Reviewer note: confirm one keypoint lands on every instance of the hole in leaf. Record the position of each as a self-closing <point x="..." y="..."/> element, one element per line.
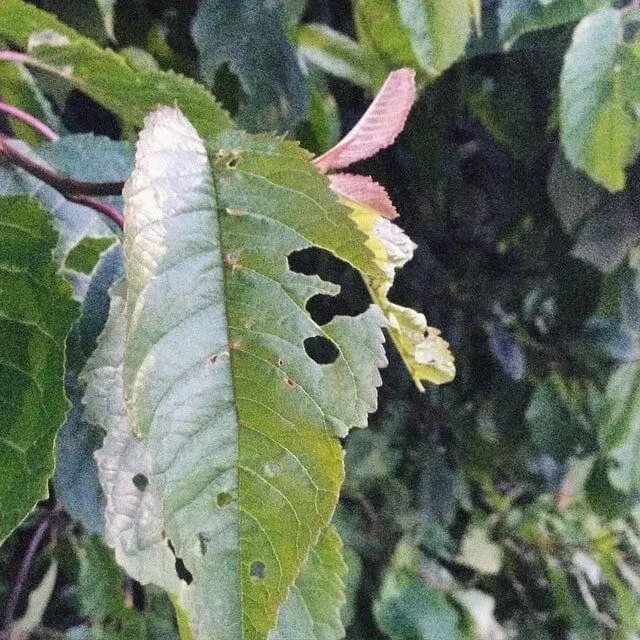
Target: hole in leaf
<point x="181" y="569"/>
<point x="321" y="350"/>
<point x="353" y="298"/>
<point x="257" y="571"/>
<point x="224" y="499"/>
<point x="140" y="481"/>
<point x="271" y="468"/>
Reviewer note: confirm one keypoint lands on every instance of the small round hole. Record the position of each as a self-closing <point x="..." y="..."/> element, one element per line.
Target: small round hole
<point x="224" y="499"/>
<point x="140" y="481"/>
<point x="257" y="571"/>
<point x="321" y="350"/>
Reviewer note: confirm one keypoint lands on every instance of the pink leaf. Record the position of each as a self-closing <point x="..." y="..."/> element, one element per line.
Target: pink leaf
<point x="378" y="127"/>
<point x="364" y="191"/>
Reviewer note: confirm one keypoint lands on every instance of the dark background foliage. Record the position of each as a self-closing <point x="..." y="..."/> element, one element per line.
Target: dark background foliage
<point x="503" y="504"/>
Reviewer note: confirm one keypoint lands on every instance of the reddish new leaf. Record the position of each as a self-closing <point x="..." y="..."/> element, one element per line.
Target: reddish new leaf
<point x="364" y="191"/>
<point x="378" y="127"/>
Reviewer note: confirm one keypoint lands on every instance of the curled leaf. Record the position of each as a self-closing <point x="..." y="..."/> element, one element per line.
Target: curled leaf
<point x="379" y="126"/>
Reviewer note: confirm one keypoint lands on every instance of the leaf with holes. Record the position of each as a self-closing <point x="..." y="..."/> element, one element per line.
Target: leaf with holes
<point x="425" y="353"/>
<point x="36" y="314"/>
<point x="216" y="416"/>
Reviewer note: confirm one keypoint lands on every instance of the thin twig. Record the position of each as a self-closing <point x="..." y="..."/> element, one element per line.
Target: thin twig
<point x="63" y="184"/>
<point x="52" y="136"/>
<point x="22" y="58"/>
<point x="29" y="120"/>
<point x="101" y="207"/>
<point x="27" y="565"/>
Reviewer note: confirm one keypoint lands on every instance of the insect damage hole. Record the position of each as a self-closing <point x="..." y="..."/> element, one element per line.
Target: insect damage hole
<point x="140" y="481"/>
<point x="224" y="499"/>
<point x="257" y="571"/>
<point x="181" y="569"/>
<point x="321" y="350"/>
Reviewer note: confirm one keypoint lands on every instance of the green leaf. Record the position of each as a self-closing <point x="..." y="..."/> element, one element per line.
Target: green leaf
<point x="518" y="17"/>
<point x="478" y="552"/>
<point x="249" y="37"/>
<point x="85" y="157"/>
<point x="425" y="353"/>
<point x="18" y="88"/>
<point x="101" y="591"/>
<point x="407" y="609"/>
<point x="76" y="478"/>
<point x="339" y="55"/>
<point x="605" y="226"/>
<point x="107" y="9"/>
<point x="312" y="609"/>
<point x="619" y="427"/>
<point x="380" y="29"/>
<point x="556" y="423"/>
<point x="37" y="604"/>
<point x="439" y="30"/>
<point x="86" y="254"/>
<point x="260" y="434"/>
<point x="599" y="133"/>
<point x="36" y="312"/>
<point x="106" y="76"/>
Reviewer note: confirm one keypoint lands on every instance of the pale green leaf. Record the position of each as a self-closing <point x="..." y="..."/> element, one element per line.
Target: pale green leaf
<point x="478" y="552"/>
<point x="380" y="29"/>
<point x="339" y="55"/>
<point x="18" y="88"/>
<point x="36" y="314"/>
<point x="599" y="133"/>
<point x="248" y="36"/>
<point x="619" y="427"/>
<point x="107" y="9"/>
<point x="440" y="30"/>
<point x="207" y="438"/>
<point x="518" y="17"/>
<point x="36" y="605"/>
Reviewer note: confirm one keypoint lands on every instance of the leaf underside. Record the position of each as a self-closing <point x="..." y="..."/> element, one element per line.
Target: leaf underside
<point x="216" y="417"/>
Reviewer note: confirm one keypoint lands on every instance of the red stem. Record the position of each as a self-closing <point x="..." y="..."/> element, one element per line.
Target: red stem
<point x="28" y="119"/>
<point x="101" y="207"/>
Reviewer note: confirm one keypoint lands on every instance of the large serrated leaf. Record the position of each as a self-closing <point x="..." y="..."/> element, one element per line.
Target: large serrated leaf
<point x="216" y="417"/>
<point x="36" y="314"/>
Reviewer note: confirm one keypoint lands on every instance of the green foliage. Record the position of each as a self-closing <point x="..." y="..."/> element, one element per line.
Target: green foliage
<point x="107" y="77"/>
<point x="249" y="37"/>
<point x="503" y="504"/>
<point x="518" y="17"/>
<point x="439" y="31"/>
<point x="37" y="313"/>
<point x="599" y="132"/>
